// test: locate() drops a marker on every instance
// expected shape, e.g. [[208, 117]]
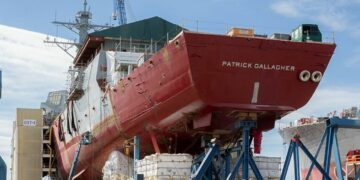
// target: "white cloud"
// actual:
[[346, 2], [334, 19], [330, 99], [334, 14], [354, 58], [325, 100], [30, 70], [5, 131], [285, 8]]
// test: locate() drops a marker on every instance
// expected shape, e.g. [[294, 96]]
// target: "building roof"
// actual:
[[154, 28]]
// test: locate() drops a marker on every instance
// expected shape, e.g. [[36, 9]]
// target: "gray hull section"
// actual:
[[311, 135]]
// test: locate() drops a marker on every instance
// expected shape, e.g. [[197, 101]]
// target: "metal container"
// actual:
[[241, 32]]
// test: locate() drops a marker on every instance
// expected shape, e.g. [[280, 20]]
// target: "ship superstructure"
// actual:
[[81, 26]]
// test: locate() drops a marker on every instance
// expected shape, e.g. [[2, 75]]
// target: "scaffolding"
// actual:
[[48, 156], [331, 147]]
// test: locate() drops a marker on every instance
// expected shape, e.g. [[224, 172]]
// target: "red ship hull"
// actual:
[[200, 83]]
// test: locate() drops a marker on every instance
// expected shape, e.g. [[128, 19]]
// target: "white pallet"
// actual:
[[268, 174], [166, 178], [165, 166], [268, 165], [267, 159]]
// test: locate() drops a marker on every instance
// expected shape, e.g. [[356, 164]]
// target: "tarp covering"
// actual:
[[154, 28], [118, 166], [2, 169]]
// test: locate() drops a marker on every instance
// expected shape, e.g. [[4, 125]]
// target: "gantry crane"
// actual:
[[119, 12]]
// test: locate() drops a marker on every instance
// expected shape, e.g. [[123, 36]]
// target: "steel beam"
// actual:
[[136, 154], [154, 142], [296, 162], [235, 169], [344, 123], [287, 160], [245, 152], [357, 176], [331, 147], [245, 158], [227, 164], [207, 169], [293, 149], [205, 164], [313, 160], [328, 148], [317, 153], [337, 155], [255, 169]]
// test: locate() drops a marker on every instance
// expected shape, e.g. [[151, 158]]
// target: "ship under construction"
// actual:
[[153, 100]]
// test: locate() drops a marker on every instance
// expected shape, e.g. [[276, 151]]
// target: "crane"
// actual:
[[119, 11]]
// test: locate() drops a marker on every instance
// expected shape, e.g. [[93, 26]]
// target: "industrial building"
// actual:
[[31, 156]]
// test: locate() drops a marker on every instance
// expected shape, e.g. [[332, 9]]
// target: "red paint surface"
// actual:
[[257, 140], [186, 77], [316, 174]]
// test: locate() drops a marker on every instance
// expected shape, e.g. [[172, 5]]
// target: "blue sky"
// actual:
[[339, 89], [334, 16]]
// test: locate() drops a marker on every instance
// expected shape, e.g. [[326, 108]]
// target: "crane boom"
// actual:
[[119, 11]]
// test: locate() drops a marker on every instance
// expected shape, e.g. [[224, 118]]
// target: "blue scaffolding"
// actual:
[[215, 163], [331, 147]]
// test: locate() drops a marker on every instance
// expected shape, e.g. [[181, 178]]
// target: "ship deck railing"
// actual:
[[353, 160], [283, 125], [212, 27]]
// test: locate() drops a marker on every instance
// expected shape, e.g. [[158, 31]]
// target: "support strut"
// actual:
[[331, 147], [206, 170], [136, 155], [357, 176], [295, 144]]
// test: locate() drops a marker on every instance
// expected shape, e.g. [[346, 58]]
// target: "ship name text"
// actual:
[[260, 66]]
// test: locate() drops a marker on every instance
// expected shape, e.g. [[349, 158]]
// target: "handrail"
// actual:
[[50, 159], [49, 146], [354, 159]]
